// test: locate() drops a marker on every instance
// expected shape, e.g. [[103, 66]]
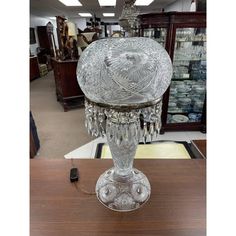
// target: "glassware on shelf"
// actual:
[[183, 89], [123, 80], [184, 101], [173, 91], [172, 105], [157, 34], [172, 99], [179, 119], [195, 117], [174, 110], [185, 104], [190, 35], [169, 117], [188, 86], [181, 95], [199, 90], [198, 105]]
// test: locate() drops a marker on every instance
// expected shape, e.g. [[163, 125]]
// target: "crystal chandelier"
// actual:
[[123, 80], [128, 19]]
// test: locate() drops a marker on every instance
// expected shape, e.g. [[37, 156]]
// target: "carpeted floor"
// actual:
[[59, 132]]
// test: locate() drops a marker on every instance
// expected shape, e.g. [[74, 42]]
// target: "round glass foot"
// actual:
[[123, 193]]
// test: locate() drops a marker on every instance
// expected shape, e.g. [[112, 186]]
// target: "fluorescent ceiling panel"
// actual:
[[143, 2], [85, 14], [103, 3], [71, 3], [108, 14]]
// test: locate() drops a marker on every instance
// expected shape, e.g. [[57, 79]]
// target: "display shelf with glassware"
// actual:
[[184, 103], [188, 86], [157, 34]]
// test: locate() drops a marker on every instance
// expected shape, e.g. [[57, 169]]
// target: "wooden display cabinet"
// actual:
[[183, 34], [47, 42], [34, 68], [68, 91]]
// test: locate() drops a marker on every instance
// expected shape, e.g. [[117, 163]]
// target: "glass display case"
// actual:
[[158, 34], [183, 34], [188, 86]]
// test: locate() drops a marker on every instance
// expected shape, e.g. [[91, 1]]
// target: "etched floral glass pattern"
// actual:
[[123, 81]]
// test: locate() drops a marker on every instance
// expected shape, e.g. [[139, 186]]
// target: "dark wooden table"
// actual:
[[198, 147], [177, 206]]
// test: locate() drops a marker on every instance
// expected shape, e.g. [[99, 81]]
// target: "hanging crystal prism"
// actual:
[[123, 130]]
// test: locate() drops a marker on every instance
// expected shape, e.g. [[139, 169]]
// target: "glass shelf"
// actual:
[[188, 86]]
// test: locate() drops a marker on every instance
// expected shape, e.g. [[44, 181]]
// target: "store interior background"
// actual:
[[61, 133], [41, 12]]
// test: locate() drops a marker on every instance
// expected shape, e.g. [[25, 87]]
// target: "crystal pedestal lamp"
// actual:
[[123, 80]]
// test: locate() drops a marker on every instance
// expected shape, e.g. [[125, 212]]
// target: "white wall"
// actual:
[[40, 21], [80, 22], [179, 5]]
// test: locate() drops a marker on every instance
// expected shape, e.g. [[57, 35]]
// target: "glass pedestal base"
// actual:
[[123, 193]]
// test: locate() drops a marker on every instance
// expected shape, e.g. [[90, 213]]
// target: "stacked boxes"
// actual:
[[43, 69]]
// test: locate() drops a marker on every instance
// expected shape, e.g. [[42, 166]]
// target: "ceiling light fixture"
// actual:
[[52, 18], [71, 3], [85, 14], [143, 2], [103, 3], [128, 19], [108, 14]]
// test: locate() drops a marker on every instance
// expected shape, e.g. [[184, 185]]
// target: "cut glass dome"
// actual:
[[124, 71]]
